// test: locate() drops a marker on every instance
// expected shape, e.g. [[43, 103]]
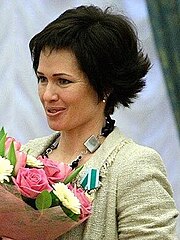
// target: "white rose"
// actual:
[[33, 162], [67, 197], [5, 169]]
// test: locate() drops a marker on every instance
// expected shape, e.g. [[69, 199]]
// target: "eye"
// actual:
[[41, 79], [63, 81]]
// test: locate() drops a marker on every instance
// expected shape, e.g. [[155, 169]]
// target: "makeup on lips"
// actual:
[[54, 111]]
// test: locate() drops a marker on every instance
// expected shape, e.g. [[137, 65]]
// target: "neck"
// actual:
[[71, 142]]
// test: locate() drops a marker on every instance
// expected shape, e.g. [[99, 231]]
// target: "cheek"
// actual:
[[88, 95], [85, 103], [90, 98], [40, 93]]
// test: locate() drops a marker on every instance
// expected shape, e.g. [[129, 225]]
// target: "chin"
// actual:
[[55, 127]]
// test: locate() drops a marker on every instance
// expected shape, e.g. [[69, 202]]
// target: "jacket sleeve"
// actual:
[[145, 205]]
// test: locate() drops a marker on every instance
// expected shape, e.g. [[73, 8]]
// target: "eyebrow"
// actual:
[[55, 74]]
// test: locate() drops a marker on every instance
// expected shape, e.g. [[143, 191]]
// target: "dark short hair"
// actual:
[[106, 47]]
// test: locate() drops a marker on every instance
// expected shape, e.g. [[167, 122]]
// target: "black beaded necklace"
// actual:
[[91, 144]]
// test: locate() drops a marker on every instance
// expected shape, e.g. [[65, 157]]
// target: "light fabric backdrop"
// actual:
[[150, 120]]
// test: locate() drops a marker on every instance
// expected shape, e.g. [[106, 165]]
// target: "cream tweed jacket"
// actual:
[[135, 200]]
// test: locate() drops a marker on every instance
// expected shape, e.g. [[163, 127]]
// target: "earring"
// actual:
[[105, 97]]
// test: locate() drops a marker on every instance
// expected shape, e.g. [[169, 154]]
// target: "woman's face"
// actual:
[[67, 97]]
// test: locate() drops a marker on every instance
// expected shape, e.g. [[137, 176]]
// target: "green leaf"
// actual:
[[70, 214], [2, 132], [27, 152], [12, 155], [73, 175], [55, 200], [43, 200], [2, 145]]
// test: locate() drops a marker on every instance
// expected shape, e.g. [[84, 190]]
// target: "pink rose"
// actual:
[[21, 158], [9, 140], [86, 205], [31, 182], [55, 172]]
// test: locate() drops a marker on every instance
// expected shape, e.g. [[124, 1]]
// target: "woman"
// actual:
[[88, 62]]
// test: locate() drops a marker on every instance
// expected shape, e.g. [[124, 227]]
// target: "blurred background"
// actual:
[[153, 120]]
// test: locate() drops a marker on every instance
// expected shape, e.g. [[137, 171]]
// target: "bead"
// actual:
[[74, 164], [49, 150]]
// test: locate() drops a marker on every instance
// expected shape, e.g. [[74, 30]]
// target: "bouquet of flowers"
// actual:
[[39, 197]]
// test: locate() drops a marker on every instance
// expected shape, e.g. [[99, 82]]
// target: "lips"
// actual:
[[53, 111]]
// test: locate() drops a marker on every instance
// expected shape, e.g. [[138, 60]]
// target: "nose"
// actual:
[[50, 93]]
